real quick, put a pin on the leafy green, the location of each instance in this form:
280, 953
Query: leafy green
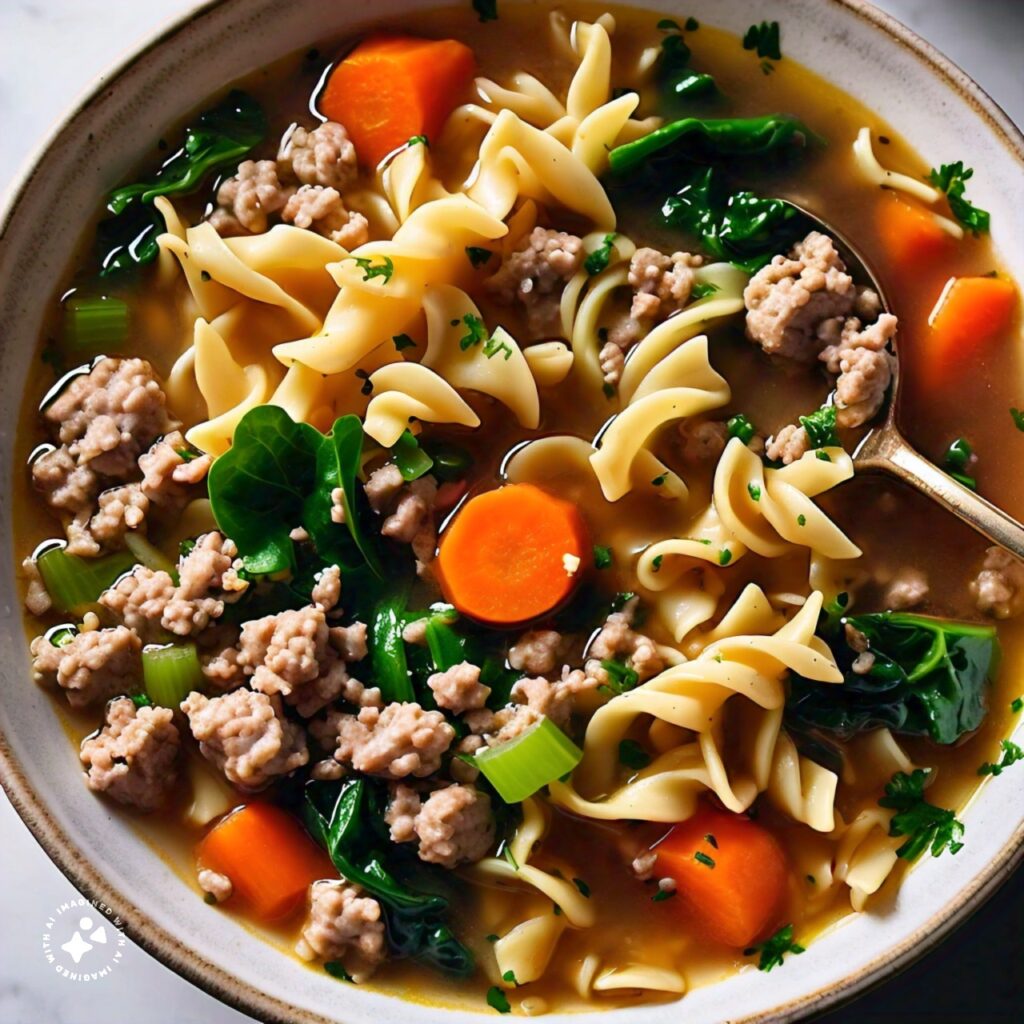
598, 259
620, 676
708, 139
279, 474
675, 76
370, 270
412, 461
739, 426
821, 427
602, 557
775, 948
402, 342
925, 825
951, 179
765, 39
346, 819
1011, 755
220, 137
387, 649
959, 457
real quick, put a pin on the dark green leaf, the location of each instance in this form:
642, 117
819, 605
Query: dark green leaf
925, 825
599, 258
496, 998
702, 289
821, 427
952, 179
765, 39
412, 461
1011, 755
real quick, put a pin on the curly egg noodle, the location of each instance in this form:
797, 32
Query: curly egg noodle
292, 319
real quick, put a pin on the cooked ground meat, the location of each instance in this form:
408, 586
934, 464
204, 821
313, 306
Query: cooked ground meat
455, 826
218, 657
498, 727
109, 415
248, 198
322, 210
618, 641
459, 688
864, 368
401, 813
535, 275
168, 475
643, 865
327, 591
217, 885
412, 522
37, 598
416, 632
133, 758
789, 300
246, 735
999, 587
338, 513
702, 440
139, 599
121, 509
612, 360
64, 485
349, 641
662, 283
789, 444
907, 589
400, 740
92, 667
344, 925
324, 156
383, 486
537, 652
554, 698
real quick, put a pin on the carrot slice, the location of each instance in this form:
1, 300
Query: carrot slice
909, 234
391, 88
971, 314
268, 856
730, 873
512, 554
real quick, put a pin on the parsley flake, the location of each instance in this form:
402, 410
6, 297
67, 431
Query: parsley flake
620, 677
602, 557
509, 977
498, 343
702, 858
1017, 705
958, 458
775, 948
403, 341
1018, 418
663, 894
1011, 755
598, 260
491, 938
632, 755
801, 520
141, 700
711, 841
335, 969
656, 563
951, 179
925, 825
478, 255
668, 25
754, 491
476, 331
702, 289
823, 456
724, 556
739, 426
371, 270
496, 999
821, 427
692, 24
582, 886
764, 38
659, 480
418, 140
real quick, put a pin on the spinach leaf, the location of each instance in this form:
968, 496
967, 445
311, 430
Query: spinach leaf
930, 677
346, 819
258, 487
738, 226
219, 138
387, 649
708, 139
675, 76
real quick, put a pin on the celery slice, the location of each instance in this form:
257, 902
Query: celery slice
519, 768
73, 582
149, 555
170, 673
95, 324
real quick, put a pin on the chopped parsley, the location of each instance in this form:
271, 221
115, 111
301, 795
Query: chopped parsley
598, 260
496, 344
801, 520
620, 677
656, 562
764, 38
775, 948
1011, 755
491, 938
476, 332
951, 179
663, 894
702, 289
724, 556
925, 825
692, 24
478, 255
823, 456
1018, 418
659, 480
608, 389
582, 886
371, 270
739, 426
602, 557
1017, 705
418, 140
821, 427
702, 858
205, 275
711, 841
509, 977
632, 755
488, 11
621, 600
140, 700
403, 341
754, 491
669, 25
496, 999
335, 969
957, 459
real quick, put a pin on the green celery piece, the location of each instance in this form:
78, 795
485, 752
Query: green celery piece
95, 324
74, 583
170, 673
533, 759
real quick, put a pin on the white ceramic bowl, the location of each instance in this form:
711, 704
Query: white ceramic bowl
935, 105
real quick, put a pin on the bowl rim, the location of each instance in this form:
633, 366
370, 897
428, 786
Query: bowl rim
163, 946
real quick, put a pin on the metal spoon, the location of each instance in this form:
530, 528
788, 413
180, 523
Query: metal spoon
885, 449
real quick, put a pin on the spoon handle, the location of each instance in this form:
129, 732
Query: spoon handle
896, 457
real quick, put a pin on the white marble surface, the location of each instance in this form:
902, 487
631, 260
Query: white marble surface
50, 51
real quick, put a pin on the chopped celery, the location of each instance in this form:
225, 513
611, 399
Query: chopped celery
95, 324
73, 582
170, 673
519, 768
148, 555
412, 461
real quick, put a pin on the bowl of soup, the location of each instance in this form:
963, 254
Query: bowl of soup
438, 575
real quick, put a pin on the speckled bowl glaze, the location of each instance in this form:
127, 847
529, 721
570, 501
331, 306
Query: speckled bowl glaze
942, 113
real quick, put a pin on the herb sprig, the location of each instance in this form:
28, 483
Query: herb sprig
925, 825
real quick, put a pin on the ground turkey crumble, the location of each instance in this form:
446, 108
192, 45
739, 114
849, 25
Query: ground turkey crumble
459, 688
408, 509
907, 589
345, 925
246, 735
453, 826
534, 276
133, 758
538, 651
322, 210
999, 587
617, 640
92, 667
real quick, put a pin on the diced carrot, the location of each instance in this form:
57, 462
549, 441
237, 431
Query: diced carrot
730, 874
971, 314
909, 234
391, 88
268, 856
512, 554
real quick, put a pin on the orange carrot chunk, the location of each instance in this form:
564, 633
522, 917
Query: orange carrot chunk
730, 874
512, 554
268, 856
391, 88
971, 314
909, 235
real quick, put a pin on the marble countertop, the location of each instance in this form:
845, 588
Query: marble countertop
50, 50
